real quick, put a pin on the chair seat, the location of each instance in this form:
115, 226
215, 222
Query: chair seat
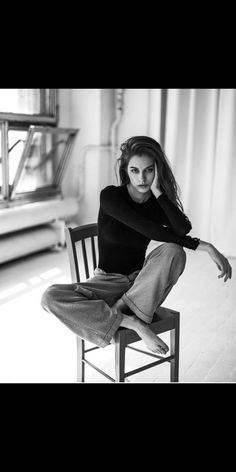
163, 320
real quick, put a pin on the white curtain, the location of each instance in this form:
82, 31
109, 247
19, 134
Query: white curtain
200, 143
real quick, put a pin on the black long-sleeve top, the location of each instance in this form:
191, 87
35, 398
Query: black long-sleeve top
126, 227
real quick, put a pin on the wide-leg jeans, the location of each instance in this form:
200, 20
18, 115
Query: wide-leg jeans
86, 307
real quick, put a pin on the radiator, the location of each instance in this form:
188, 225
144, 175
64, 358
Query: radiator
27, 229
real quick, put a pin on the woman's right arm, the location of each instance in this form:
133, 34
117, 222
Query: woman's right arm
114, 205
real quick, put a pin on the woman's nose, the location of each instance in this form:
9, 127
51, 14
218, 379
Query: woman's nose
142, 178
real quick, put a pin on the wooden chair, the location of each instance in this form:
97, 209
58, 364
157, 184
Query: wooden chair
164, 319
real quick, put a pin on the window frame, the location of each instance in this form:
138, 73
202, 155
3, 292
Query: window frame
30, 119
27, 122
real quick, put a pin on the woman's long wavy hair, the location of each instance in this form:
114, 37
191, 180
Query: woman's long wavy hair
144, 145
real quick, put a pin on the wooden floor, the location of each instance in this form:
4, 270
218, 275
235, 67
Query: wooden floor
36, 348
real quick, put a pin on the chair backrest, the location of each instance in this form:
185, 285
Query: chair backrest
84, 236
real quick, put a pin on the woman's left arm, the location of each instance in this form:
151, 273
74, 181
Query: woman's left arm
220, 260
178, 221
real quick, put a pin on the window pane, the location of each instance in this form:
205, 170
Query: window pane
41, 165
16, 141
25, 101
0, 164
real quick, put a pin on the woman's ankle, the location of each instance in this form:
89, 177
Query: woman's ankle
130, 322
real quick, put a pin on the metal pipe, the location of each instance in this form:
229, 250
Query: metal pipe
112, 146
114, 125
85, 149
5, 160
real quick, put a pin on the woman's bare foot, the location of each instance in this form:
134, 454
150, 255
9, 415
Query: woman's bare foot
152, 342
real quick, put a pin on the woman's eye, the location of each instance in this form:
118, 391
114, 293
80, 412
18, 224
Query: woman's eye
136, 171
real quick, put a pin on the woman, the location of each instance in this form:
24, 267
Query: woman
127, 287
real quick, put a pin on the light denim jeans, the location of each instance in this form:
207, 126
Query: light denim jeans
85, 307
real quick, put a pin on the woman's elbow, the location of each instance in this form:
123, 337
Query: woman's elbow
184, 229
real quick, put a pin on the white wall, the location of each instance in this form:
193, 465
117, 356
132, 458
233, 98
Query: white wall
90, 111
79, 108
93, 111
141, 114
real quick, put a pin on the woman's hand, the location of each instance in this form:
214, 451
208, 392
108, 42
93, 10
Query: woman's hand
220, 260
155, 184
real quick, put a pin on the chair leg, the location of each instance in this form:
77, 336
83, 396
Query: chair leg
80, 357
174, 350
119, 357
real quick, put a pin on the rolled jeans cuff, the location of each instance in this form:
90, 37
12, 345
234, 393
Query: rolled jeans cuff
112, 330
136, 310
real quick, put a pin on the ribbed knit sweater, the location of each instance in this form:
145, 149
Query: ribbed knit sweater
125, 228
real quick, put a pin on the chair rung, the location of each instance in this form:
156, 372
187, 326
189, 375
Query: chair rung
153, 364
91, 349
99, 370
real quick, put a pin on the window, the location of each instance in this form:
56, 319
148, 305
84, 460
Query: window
33, 150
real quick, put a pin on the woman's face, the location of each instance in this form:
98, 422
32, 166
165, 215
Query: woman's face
141, 172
